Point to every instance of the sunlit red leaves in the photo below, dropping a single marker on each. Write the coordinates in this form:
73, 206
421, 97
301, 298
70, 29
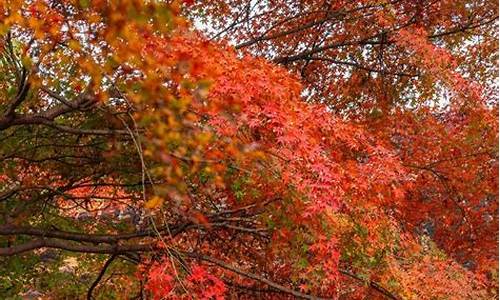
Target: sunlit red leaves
160, 280
163, 281
206, 285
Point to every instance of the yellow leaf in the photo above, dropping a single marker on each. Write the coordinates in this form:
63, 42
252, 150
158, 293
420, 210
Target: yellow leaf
75, 45
154, 202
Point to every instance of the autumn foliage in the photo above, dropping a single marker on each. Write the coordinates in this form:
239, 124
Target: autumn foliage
248, 149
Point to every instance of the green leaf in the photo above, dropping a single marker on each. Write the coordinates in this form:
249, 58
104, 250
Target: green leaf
84, 3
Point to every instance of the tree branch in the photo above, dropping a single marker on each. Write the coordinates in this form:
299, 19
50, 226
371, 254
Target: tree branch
73, 247
266, 281
80, 237
377, 287
99, 277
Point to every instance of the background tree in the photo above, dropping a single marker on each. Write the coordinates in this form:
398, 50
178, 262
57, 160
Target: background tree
141, 160
420, 76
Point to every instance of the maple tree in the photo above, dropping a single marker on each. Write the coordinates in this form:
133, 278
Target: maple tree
249, 149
